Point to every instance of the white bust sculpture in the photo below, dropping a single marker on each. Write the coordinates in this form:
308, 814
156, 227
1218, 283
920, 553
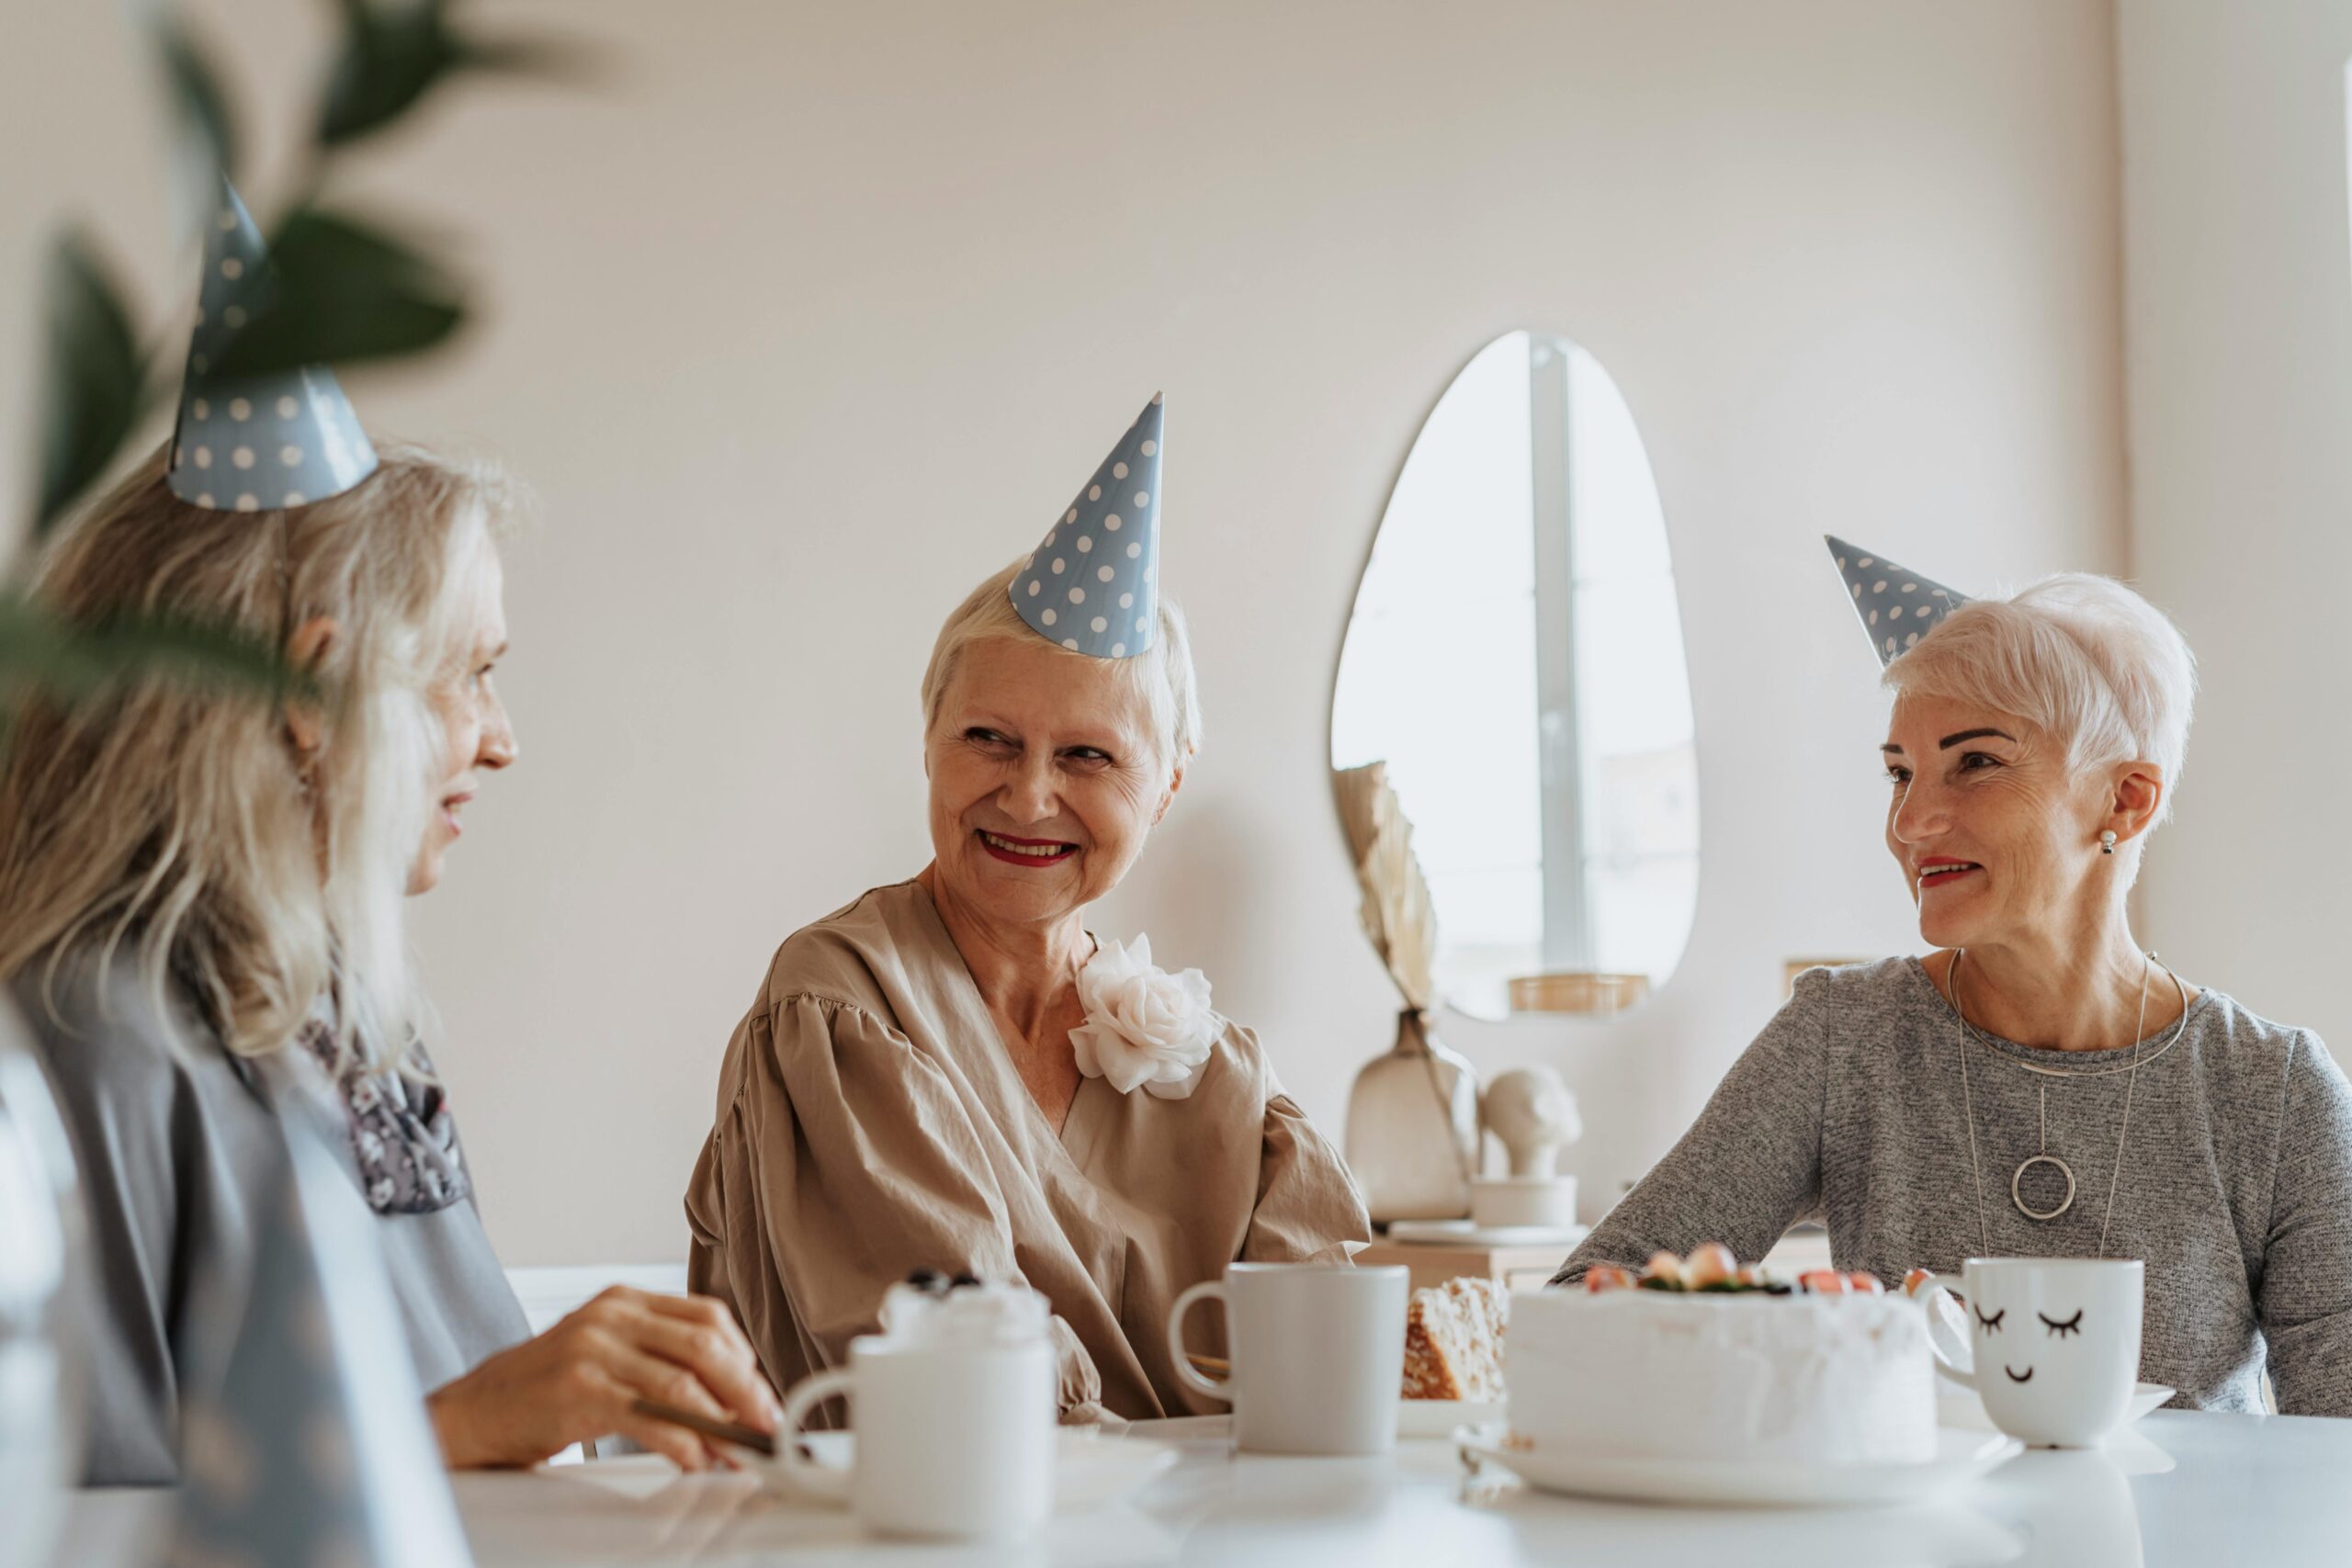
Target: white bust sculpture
1534, 1115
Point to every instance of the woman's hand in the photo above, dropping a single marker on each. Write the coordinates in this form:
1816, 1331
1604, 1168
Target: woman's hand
581, 1378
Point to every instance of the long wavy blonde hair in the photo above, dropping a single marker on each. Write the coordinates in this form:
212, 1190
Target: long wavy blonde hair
179, 822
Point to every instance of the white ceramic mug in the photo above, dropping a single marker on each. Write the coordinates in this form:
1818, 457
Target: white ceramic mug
1318, 1353
2055, 1343
952, 1441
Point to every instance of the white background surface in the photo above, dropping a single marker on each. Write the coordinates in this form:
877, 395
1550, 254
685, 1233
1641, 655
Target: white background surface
813, 315
2179, 1489
2239, 267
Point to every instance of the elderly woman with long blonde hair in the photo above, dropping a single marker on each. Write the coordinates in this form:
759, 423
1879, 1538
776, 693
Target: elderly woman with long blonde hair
952, 1073
201, 914
2039, 1084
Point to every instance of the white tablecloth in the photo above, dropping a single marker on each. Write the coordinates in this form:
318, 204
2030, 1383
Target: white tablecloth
2194, 1490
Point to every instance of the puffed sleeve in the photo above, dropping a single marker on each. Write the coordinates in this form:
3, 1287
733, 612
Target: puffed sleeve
2304, 1300
1309, 1209
844, 1161
1749, 1167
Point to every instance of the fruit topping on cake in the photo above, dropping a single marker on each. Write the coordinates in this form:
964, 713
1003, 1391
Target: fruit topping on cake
1712, 1269
1454, 1340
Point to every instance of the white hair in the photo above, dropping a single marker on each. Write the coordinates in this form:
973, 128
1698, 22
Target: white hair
2081, 657
1163, 676
174, 817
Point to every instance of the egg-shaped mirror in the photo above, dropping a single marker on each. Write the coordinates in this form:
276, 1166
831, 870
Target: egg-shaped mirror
1514, 672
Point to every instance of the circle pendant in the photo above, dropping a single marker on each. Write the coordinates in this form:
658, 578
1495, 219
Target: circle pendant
2017, 1188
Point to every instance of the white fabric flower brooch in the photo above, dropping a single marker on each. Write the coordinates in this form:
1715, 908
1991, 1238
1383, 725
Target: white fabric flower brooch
1143, 1025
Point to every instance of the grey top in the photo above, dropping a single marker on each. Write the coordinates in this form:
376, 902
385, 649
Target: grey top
173, 1134
2235, 1186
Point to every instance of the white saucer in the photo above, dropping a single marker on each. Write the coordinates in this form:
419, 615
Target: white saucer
1464, 1233
1960, 1457
1092, 1470
1958, 1407
1440, 1417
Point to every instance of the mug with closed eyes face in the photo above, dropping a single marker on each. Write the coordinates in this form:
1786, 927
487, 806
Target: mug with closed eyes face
2056, 1343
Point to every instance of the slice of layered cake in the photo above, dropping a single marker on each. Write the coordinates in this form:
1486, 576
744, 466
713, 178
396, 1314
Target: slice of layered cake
1454, 1340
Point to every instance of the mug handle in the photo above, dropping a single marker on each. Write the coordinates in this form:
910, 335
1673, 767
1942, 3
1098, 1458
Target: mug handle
1216, 1388
799, 1472
1938, 1330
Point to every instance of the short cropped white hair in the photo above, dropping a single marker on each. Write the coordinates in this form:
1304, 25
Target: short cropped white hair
2082, 658
1163, 675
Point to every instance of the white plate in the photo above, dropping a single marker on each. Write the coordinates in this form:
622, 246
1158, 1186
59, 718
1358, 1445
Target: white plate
1959, 1456
1958, 1407
1462, 1233
1090, 1470
1439, 1417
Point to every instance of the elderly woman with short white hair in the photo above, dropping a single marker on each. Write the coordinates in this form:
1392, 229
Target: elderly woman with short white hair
2038, 1086
952, 1075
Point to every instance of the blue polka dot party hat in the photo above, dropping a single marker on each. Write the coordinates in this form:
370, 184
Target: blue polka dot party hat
303, 1437
1897, 607
1092, 585
256, 443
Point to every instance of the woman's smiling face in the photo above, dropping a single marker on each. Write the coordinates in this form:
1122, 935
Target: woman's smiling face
1047, 772
1993, 832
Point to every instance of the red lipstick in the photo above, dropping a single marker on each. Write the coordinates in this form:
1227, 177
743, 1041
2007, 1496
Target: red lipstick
1030, 853
1937, 871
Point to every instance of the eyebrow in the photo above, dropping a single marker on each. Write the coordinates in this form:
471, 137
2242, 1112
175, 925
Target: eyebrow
1949, 741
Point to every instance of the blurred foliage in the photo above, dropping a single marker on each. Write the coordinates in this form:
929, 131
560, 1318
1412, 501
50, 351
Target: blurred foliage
92, 377
55, 658
344, 291
392, 55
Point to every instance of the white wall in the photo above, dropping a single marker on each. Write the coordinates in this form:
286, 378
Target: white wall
816, 313
2239, 300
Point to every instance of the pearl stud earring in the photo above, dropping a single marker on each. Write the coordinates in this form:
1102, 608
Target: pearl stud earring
2106, 843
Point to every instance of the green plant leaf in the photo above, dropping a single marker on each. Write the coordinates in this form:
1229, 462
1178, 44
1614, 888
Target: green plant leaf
390, 59
202, 106
343, 291
90, 381
392, 56
543, 56
42, 656
194, 652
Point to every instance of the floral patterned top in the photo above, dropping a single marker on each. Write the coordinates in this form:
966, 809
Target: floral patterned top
402, 1130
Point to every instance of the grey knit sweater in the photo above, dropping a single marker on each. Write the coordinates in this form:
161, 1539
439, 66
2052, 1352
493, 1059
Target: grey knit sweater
2235, 1187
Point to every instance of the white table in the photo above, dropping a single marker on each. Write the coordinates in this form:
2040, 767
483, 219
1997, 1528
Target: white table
2207, 1491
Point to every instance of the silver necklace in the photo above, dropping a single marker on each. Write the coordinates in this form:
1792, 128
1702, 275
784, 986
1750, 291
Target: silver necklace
2016, 1180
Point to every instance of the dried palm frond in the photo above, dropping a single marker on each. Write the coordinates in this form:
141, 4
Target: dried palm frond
1396, 912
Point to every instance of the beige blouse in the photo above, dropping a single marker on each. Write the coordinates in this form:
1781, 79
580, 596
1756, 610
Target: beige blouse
871, 1124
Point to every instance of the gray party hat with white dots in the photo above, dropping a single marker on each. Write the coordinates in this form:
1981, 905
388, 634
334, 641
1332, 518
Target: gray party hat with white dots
303, 1437
256, 443
1897, 607
1092, 585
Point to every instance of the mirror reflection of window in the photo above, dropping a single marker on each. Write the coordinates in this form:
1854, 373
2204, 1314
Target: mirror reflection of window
1516, 658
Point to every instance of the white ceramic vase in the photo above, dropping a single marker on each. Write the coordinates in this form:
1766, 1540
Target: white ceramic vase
1412, 1137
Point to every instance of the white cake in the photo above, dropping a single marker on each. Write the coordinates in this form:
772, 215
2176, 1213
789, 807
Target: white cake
1794, 1379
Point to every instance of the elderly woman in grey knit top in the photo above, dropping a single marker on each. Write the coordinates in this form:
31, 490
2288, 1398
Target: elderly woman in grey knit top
2038, 1086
